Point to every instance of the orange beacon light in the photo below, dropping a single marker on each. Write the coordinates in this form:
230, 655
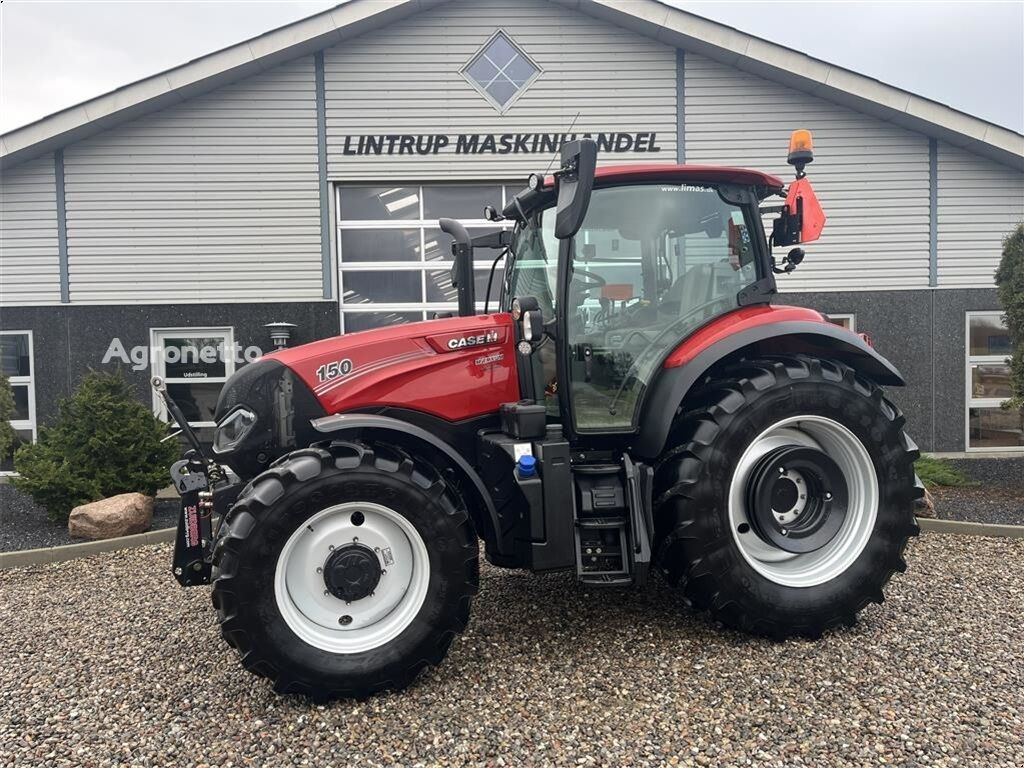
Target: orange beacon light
801, 150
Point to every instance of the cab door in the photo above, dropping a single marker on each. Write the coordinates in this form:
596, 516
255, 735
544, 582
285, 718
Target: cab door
650, 264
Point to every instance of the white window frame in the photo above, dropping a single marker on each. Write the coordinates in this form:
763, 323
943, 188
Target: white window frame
980, 402
156, 338
848, 317
508, 188
30, 381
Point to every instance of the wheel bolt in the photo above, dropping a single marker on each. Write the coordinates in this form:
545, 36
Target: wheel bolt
345, 620
784, 532
319, 570
828, 496
330, 547
355, 539
383, 572
782, 470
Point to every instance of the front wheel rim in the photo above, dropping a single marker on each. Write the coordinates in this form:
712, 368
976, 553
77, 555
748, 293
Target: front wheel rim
311, 605
842, 550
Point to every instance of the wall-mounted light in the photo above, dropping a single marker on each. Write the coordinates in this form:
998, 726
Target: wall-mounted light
280, 333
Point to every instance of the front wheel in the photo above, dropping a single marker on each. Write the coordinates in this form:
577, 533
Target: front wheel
785, 498
344, 570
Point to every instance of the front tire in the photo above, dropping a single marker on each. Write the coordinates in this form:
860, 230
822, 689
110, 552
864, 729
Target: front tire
784, 500
345, 570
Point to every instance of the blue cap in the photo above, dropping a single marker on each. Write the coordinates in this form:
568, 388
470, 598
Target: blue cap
527, 466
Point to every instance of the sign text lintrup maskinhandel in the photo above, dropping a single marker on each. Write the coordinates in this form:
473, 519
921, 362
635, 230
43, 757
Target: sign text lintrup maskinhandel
492, 143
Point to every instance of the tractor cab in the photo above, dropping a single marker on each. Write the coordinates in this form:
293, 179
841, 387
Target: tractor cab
659, 252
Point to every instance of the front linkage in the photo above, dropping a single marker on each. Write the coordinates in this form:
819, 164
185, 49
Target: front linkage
206, 495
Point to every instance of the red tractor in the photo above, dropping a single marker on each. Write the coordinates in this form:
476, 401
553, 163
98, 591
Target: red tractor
636, 401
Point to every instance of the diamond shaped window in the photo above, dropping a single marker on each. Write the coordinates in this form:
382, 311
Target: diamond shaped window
501, 71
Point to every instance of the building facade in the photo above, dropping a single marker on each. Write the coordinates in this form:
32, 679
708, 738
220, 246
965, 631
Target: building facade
298, 178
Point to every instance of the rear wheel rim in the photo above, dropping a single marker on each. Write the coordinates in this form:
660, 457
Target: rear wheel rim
807, 569
307, 597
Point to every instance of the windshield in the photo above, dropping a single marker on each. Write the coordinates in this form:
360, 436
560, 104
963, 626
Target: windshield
651, 264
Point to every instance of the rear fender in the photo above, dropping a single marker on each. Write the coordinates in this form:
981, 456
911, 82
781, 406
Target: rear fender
687, 368
420, 441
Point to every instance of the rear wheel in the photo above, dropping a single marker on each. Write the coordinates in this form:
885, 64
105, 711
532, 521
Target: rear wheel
785, 499
345, 570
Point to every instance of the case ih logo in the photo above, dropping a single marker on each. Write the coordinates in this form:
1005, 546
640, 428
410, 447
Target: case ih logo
461, 342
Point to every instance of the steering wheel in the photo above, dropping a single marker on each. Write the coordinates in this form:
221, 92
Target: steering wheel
591, 279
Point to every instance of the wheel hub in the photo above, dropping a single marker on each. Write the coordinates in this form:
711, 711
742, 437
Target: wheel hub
352, 572
797, 499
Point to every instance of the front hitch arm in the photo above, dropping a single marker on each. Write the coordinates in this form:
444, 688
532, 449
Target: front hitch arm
206, 496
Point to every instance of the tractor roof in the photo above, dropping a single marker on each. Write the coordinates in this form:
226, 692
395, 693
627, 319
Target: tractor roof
715, 174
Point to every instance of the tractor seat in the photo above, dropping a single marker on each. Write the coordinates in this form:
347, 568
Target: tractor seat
692, 288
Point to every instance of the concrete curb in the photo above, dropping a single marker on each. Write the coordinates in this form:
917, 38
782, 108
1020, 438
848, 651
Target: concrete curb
971, 529
72, 551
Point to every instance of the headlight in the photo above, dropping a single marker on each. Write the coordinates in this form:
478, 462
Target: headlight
232, 429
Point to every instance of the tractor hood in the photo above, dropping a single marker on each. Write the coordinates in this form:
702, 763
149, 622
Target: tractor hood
453, 369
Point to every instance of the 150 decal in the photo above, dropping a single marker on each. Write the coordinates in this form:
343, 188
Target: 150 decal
329, 371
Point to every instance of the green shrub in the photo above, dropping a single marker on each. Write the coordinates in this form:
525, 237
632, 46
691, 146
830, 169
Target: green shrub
8, 437
1010, 285
934, 472
104, 442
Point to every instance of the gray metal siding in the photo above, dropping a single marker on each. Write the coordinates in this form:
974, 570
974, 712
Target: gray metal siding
29, 263
871, 176
214, 199
406, 79
979, 203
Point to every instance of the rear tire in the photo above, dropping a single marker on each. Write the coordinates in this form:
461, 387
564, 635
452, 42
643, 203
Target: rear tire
344, 570
716, 541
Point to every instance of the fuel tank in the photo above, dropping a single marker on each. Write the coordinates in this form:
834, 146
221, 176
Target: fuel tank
452, 368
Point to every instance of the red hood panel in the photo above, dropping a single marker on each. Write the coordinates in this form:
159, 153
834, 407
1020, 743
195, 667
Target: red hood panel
454, 368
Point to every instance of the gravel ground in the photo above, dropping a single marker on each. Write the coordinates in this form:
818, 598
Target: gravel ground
107, 662
980, 504
998, 473
24, 524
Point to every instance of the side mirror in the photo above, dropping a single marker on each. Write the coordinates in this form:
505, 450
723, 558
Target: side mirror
492, 214
575, 182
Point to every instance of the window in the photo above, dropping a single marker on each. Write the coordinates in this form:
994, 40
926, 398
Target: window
989, 427
395, 263
16, 361
849, 322
651, 264
500, 71
195, 363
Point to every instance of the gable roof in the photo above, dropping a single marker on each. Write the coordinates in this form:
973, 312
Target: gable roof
652, 18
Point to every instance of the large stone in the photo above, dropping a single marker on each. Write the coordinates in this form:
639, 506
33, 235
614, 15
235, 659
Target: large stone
925, 506
119, 515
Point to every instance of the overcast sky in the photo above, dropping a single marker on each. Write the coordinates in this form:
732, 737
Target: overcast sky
969, 55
